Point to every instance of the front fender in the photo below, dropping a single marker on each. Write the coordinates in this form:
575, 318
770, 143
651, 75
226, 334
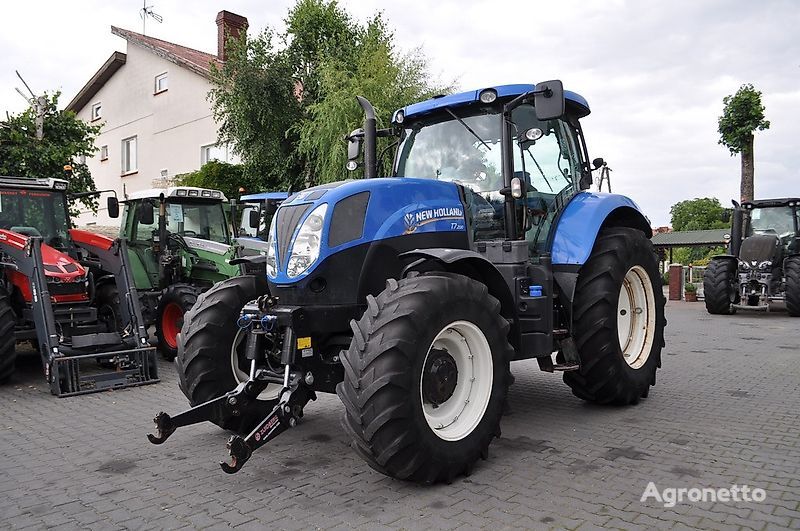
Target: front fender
582, 219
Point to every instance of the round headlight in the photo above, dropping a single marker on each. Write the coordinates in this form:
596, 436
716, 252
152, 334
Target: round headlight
488, 96
533, 134
399, 117
351, 165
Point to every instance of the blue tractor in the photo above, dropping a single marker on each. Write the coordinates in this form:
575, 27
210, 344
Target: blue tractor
409, 296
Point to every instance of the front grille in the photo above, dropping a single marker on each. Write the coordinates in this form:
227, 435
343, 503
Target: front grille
66, 288
287, 220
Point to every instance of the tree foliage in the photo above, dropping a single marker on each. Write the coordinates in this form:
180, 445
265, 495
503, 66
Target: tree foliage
699, 214
228, 178
285, 109
66, 140
742, 116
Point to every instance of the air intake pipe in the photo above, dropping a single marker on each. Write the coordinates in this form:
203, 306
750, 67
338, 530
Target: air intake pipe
737, 229
370, 139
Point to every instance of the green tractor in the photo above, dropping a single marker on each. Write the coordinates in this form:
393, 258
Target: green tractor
180, 244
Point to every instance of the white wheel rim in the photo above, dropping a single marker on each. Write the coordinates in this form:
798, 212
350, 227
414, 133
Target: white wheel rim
461, 413
271, 392
636, 317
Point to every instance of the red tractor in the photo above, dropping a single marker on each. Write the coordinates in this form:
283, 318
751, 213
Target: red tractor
68, 292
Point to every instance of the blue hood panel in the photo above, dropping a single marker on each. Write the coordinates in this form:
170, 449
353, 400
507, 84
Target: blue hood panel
396, 206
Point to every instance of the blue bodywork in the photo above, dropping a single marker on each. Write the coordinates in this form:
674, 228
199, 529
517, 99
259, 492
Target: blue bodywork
580, 105
397, 206
581, 221
264, 196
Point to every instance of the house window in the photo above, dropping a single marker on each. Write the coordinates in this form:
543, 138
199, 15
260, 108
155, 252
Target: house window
212, 152
97, 111
161, 83
129, 155
103, 152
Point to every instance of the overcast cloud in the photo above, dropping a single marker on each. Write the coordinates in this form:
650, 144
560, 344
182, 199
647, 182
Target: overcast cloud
654, 72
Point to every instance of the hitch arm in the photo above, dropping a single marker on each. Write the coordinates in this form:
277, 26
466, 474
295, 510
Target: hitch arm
283, 416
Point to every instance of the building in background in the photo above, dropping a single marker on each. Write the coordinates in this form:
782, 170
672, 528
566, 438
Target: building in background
156, 120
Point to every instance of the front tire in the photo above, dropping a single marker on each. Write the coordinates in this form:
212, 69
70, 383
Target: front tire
791, 269
426, 377
176, 301
8, 343
210, 340
719, 286
618, 320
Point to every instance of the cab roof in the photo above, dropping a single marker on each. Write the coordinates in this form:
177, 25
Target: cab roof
39, 183
190, 192
766, 203
264, 196
577, 102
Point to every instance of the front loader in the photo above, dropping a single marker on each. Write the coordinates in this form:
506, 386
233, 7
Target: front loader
409, 296
69, 293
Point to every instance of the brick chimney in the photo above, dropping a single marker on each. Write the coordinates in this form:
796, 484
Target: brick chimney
229, 26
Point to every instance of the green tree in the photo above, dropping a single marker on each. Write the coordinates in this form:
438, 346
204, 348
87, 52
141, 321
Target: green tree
66, 140
742, 116
698, 214
228, 178
285, 110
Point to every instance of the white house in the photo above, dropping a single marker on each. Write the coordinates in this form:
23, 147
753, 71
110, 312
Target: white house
152, 104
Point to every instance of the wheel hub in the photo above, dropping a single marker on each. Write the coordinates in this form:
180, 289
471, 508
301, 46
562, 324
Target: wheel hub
439, 378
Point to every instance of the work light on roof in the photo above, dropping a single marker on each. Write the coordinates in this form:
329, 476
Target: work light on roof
216, 195
194, 193
206, 193
60, 185
181, 192
488, 95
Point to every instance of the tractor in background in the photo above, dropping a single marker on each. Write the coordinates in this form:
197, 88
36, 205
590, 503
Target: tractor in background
180, 244
67, 292
409, 296
764, 261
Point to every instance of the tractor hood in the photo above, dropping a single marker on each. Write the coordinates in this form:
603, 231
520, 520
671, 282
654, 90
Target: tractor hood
759, 248
58, 265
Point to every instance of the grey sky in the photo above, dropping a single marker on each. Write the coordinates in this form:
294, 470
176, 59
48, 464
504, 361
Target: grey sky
654, 72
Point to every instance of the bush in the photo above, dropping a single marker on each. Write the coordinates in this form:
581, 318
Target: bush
665, 278
690, 288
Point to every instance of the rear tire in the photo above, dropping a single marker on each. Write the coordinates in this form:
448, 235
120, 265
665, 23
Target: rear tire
204, 360
719, 286
791, 269
8, 343
176, 301
426, 377
618, 320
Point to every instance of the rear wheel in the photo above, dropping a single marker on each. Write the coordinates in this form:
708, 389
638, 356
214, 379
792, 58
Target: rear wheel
720, 287
175, 302
791, 269
426, 376
211, 359
8, 351
618, 316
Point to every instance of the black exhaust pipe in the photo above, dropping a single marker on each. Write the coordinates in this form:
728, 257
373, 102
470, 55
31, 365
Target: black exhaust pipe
370, 139
737, 229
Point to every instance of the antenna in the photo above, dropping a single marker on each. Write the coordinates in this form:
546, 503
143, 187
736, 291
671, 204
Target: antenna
605, 177
39, 103
147, 11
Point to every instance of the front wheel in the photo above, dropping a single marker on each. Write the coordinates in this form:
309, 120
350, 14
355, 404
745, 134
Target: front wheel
791, 268
426, 376
720, 287
176, 301
8, 343
618, 320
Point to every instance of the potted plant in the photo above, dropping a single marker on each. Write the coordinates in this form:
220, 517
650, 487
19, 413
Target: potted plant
690, 292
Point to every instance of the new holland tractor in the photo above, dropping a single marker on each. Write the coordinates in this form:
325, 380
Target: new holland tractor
67, 292
409, 296
764, 260
180, 244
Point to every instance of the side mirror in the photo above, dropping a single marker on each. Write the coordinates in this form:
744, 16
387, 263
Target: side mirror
113, 207
271, 207
598, 163
354, 147
549, 100
254, 218
145, 214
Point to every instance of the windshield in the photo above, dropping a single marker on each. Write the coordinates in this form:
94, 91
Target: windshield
772, 220
35, 213
464, 147
205, 221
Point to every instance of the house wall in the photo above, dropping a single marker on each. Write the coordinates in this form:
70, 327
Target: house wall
170, 126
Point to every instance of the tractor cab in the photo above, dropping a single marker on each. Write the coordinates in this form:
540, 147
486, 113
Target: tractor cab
776, 222
256, 213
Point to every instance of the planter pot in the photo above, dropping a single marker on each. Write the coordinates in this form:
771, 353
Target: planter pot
690, 296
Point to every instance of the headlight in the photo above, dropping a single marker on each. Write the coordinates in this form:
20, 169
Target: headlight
305, 249
744, 265
766, 264
272, 262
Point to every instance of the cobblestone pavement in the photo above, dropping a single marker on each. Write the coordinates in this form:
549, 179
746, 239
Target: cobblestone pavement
724, 412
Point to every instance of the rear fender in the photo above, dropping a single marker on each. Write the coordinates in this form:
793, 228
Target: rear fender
583, 218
